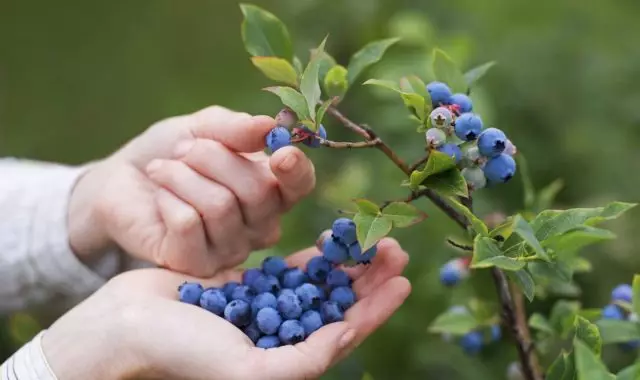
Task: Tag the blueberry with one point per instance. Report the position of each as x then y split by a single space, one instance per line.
268 320
440 93
244 293
214 300
441 117
190 292
334 251
343 296
496 333
286 118
472 342
318 269
312 141
268 341
331 312
287 291
338 277
491 142
274 265
289 305
462 101
263 300
344 229
238 312
500 169
311 321
253 332
475 177
630 346
250 275
228 288
266 283
291 332
293 277
622 292
435 137
468 126
451 150
612 312
355 251
310 296
277 138
452 272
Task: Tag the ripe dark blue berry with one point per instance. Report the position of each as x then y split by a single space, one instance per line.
243 293
343 296
318 269
500 169
214 300
440 93
250 275
238 312
331 312
190 292
451 150
452 272
468 126
266 283
462 101
293 277
338 277
228 288
263 300
312 141
311 321
252 332
274 265
277 138
622 292
334 251
268 320
355 251
472 342
291 332
492 142
310 296
268 341
344 230
612 312
289 305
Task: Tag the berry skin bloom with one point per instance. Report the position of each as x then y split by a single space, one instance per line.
612 312
277 138
291 332
453 271
440 93
289 305
343 296
474 177
311 321
253 332
334 251
290 292
331 312
451 150
268 320
344 229
462 101
441 117
243 293
228 288
268 341
492 142
500 169
310 296
238 312
435 137
214 300
355 251
190 292
312 141
468 126
318 269
262 301
250 275
266 283
622 292
274 265
472 342
293 277
338 277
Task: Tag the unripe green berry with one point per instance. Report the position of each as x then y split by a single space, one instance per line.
435 137
475 177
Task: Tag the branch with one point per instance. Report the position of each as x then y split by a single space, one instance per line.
333 111
417 164
348 144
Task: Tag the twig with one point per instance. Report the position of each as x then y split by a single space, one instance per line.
463 247
417 164
349 145
333 111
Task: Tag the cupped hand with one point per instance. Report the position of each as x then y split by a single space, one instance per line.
193 193
134 327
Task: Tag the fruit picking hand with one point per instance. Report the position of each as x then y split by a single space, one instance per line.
193 193
134 327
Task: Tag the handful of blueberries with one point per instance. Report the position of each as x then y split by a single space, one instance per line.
278 305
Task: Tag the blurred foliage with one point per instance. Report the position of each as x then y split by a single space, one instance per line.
78 79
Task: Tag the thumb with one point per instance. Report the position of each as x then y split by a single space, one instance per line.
309 359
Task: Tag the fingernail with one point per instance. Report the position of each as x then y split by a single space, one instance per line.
347 338
289 162
183 148
153 166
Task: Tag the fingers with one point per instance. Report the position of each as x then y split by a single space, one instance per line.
239 131
295 173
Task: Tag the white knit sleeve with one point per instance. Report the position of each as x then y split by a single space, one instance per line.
28 363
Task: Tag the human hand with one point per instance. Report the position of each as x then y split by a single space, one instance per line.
193 193
134 327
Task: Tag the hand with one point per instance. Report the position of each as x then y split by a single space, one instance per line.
193 193
134 327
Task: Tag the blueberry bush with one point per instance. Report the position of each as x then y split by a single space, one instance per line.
532 254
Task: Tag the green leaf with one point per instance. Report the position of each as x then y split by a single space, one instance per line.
505 230
446 71
370 229
450 183
611 211
478 225
562 316
367 56
414 102
527 184
573 240
322 110
588 364
367 207
592 315
561 368
636 294
487 253
292 99
277 69
630 373
388 84
475 74
502 262
539 322
309 85
414 84
335 82
326 62
547 195
437 162
556 271
614 331
366 376
264 34
524 230
403 214
525 282
297 63
454 323
588 333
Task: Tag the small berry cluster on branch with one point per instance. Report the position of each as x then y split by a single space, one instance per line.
474 341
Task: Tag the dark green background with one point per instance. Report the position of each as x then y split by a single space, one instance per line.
80 78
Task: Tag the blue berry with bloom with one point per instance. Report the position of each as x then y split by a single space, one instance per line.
453 272
293 277
472 342
268 320
278 138
213 300
318 269
338 277
622 292
440 93
451 150
344 230
312 141
250 275
266 283
468 126
311 321
355 251
331 312
310 296
268 341
243 293
262 301
463 102
238 312
274 265
612 312
291 332
343 296
334 251
253 332
229 287
492 142
289 305
190 292
500 169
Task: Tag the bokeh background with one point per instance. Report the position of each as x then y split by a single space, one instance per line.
78 79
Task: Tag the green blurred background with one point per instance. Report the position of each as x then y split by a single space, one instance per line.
78 79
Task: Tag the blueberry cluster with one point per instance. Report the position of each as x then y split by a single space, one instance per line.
474 341
286 132
485 155
454 271
275 304
621 294
343 245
